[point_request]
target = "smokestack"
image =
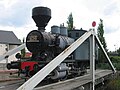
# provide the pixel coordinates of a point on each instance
(41, 16)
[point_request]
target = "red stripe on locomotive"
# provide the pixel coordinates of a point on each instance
(30, 64)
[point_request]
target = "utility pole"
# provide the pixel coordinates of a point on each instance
(92, 56)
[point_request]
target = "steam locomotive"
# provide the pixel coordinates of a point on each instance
(45, 46)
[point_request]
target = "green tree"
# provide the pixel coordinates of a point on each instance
(70, 22)
(100, 34)
(23, 51)
(118, 51)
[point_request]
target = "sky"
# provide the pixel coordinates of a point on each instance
(15, 15)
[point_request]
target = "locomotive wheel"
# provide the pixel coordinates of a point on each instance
(31, 73)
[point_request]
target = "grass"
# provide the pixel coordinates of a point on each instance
(114, 84)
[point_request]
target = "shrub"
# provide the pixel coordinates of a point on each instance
(114, 84)
(115, 59)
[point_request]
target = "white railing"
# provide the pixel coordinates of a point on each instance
(11, 52)
(103, 50)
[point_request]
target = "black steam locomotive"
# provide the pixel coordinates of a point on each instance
(45, 46)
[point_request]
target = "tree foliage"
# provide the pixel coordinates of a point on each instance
(118, 51)
(70, 22)
(100, 34)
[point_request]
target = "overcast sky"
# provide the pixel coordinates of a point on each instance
(15, 15)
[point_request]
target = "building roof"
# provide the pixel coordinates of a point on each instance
(8, 37)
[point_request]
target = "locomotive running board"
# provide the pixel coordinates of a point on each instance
(11, 52)
(39, 76)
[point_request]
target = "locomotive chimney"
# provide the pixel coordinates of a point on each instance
(41, 16)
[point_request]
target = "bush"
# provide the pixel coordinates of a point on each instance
(114, 84)
(117, 66)
(107, 66)
(103, 66)
(115, 59)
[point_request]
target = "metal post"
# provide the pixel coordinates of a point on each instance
(92, 59)
(7, 51)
